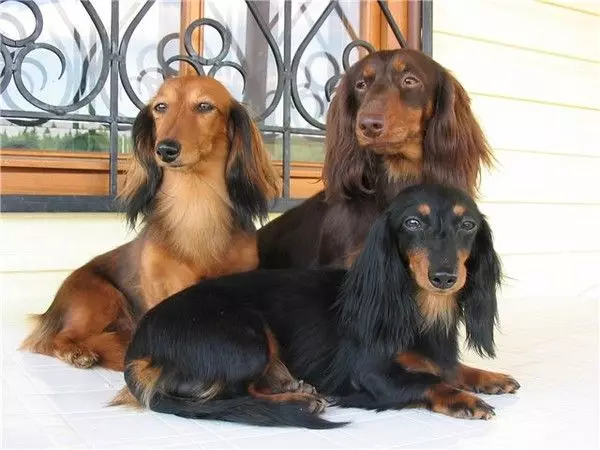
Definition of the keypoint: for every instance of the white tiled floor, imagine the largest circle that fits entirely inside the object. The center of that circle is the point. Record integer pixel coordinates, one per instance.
(551, 347)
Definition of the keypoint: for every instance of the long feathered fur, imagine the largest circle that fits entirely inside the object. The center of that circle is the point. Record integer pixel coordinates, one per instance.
(235, 348)
(437, 139)
(196, 214)
(479, 300)
(144, 176)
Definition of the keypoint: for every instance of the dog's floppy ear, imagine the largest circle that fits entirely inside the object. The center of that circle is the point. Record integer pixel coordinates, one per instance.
(144, 175)
(375, 301)
(348, 170)
(251, 180)
(454, 148)
(478, 297)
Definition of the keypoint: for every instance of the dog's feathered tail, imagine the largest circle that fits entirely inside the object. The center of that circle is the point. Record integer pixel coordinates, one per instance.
(148, 386)
(246, 410)
(46, 327)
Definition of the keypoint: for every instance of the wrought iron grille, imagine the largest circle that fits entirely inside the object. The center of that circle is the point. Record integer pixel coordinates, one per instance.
(109, 55)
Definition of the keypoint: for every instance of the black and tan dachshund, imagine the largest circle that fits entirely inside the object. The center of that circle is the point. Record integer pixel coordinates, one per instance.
(236, 348)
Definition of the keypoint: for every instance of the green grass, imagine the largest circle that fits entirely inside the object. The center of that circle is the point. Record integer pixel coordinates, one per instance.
(303, 148)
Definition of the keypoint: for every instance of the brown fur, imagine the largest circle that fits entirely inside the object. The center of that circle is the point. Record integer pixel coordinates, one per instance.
(278, 385)
(436, 306)
(417, 363)
(485, 382)
(429, 135)
(465, 377)
(445, 399)
(147, 378)
(312, 401)
(459, 210)
(437, 309)
(368, 71)
(197, 213)
(125, 398)
(418, 263)
(398, 64)
(350, 258)
(424, 209)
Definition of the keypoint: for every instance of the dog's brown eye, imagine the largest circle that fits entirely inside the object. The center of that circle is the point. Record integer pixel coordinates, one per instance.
(467, 225)
(160, 107)
(360, 85)
(410, 81)
(413, 224)
(205, 107)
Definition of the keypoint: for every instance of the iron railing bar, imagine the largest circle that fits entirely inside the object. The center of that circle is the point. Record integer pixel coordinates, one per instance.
(314, 30)
(114, 95)
(346, 22)
(392, 23)
(427, 27)
(287, 96)
(277, 129)
(278, 61)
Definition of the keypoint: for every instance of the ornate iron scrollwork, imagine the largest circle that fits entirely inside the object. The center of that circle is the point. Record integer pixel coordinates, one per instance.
(111, 49)
(13, 62)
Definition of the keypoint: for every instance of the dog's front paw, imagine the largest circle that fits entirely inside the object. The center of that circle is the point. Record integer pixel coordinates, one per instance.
(79, 357)
(484, 382)
(452, 402)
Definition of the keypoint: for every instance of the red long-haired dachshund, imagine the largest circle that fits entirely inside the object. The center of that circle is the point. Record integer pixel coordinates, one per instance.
(397, 118)
(199, 178)
(236, 348)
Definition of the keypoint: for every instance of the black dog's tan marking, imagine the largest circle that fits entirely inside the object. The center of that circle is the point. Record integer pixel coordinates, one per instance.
(459, 210)
(424, 209)
(447, 400)
(382, 335)
(484, 382)
(277, 384)
(463, 377)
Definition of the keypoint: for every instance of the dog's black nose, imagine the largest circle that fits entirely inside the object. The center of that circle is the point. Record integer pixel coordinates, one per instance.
(371, 124)
(442, 280)
(168, 150)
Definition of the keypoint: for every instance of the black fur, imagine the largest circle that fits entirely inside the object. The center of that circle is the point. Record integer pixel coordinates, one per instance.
(372, 289)
(143, 134)
(479, 296)
(249, 200)
(337, 330)
(246, 410)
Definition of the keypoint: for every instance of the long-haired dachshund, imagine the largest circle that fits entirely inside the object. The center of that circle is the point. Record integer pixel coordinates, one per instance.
(199, 178)
(397, 118)
(236, 348)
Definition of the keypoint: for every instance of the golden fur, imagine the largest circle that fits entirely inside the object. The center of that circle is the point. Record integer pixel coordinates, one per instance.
(197, 213)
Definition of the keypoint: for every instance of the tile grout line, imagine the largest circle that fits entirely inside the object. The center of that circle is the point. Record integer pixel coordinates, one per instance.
(198, 425)
(28, 376)
(64, 416)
